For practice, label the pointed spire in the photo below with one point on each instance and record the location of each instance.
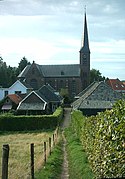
(85, 43)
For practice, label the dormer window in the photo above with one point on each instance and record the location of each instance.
(116, 86)
(62, 72)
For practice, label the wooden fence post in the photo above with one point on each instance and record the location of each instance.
(32, 160)
(49, 145)
(44, 152)
(5, 158)
(53, 140)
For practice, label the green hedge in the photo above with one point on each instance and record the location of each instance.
(103, 138)
(9, 122)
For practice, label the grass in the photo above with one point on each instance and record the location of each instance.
(78, 163)
(53, 167)
(19, 155)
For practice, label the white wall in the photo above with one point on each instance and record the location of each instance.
(17, 86)
(2, 90)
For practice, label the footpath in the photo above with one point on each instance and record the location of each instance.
(67, 118)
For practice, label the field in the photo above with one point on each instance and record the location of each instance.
(19, 155)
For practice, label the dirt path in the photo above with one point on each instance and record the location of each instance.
(67, 117)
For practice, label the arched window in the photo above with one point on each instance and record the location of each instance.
(61, 84)
(34, 83)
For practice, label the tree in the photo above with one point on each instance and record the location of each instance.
(65, 94)
(95, 75)
(23, 63)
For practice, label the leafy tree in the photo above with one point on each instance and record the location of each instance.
(95, 75)
(22, 64)
(65, 94)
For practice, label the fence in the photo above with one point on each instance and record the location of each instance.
(47, 149)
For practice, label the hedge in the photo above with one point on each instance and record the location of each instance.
(9, 122)
(103, 138)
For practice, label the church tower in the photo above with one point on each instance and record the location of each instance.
(85, 57)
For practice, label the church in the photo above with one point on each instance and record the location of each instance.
(73, 77)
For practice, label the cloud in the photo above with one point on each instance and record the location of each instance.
(51, 30)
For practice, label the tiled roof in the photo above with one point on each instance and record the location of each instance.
(47, 94)
(99, 95)
(15, 98)
(116, 84)
(24, 72)
(55, 70)
(60, 70)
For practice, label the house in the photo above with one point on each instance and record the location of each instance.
(95, 98)
(11, 101)
(73, 77)
(42, 101)
(116, 85)
(19, 87)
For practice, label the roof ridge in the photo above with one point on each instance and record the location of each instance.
(85, 96)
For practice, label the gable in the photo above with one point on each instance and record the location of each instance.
(32, 102)
(33, 98)
(17, 87)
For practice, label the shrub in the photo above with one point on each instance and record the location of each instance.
(103, 138)
(9, 122)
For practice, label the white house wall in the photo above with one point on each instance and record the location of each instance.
(17, 86)
(2, 92)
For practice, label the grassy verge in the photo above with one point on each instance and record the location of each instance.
(78, 163)
(53, 167)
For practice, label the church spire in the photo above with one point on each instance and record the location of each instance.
(85, 43)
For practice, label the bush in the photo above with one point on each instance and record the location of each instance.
(9, 122)
(103, 138)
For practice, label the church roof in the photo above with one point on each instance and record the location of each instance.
(68, 70)
(60, 70)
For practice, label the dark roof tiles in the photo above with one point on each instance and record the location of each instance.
(68, 70)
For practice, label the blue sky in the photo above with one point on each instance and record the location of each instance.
(50, 32)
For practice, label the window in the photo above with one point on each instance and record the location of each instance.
(73, 86)
(62, 72)
(17, 92)
(61, 84)
(34, 84)
(5, 93)
(33, 71)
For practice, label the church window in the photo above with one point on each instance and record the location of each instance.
(34, 83)
(33, 71)
(61, 84)
(73, 85)
(67, 83)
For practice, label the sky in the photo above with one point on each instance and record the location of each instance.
(50, 32)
